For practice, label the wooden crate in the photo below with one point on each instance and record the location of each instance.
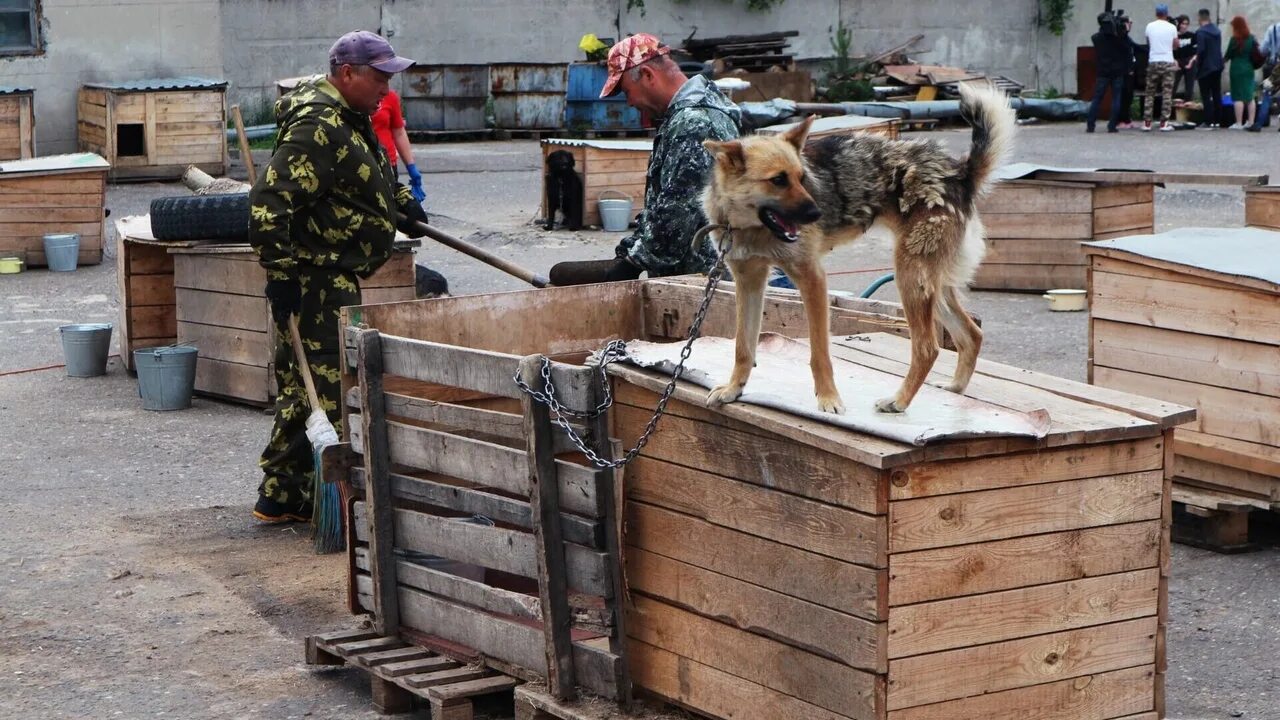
(52, 194)
(221, 309)
(1262, 206)
(789, 569)
(618, 165)
(17, 123)
(1035, 227)
(1190, 316)
(154, 129)
(148, 303)
(777, 567)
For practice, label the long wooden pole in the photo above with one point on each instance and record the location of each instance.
(246, 155)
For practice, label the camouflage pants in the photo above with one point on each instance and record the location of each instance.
(287, 464)
(1159, 81)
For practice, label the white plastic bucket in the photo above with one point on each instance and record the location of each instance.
(615, 213)
(1066, 300)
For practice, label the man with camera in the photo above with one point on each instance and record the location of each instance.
(1114, 59)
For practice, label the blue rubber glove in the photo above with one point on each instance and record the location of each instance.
(415, 182)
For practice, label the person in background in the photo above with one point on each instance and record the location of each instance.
(1207, 63)
(1182, 56)
(1113, 57)
(1162, 39)
(388, 125)
(1133, 75)
(1240, 69)
(1269, 85)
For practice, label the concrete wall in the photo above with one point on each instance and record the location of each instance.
(93, 40)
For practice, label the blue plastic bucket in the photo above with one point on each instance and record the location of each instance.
(166, 376)
(61, 251)
(85, 347)
(615, 213)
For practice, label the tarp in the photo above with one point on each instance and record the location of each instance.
(1024, 171)
(54, 163)
(1237, 252)
(781, 380)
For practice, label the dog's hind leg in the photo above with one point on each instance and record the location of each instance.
(749, 279)
(920, 304)
(966, 334)
(811, 280)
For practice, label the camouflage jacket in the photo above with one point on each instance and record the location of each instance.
(678, 169)
(329, 196)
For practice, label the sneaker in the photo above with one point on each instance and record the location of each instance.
(1166, 127)
(270, 511)
(1088, 128)
(1236, 126)
(1253, 128)
(1146, 127)
(1112, 130)
(1125, 126)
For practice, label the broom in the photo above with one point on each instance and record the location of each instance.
(326, 501)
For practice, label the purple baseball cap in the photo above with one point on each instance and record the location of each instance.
(361, 47)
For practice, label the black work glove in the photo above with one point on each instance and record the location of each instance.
(285, 297)
(622, 270)
(413, 214)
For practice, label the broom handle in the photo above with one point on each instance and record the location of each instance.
(296, 338)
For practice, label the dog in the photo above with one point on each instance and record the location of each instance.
(787, 204)
(564, 191)
(428, 283)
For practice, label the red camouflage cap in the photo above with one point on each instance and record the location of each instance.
(628, 53)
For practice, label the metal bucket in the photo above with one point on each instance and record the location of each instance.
(85, 346)
(615, 213)
(61, 251)
(166, 376)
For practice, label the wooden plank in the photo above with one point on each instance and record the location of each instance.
(1242, 484)
(227, 274)
(1124, 217)
(461, 690)
(229, 344)
(397, 271)
(151, 290)
(792, 571)
(153, 321)
(1029, 198)
(1034, 251)
(374, 296)
(839, 636)
(72, 215)
(1261, 209)
(1041, 466)
(11, 229)
(843, 534)
(960, 622)
(1130, 178)
(235, 381)
(244, 312)
(549, 548)
(149, 135)
(40, 199)
(75, 182)
(1239, 314)
(941, 573)
(1245, 366)
(1024, 662)
(1229, 452)
(469, 592)
(1088, 697)
(991, 276)
(425, 670)
(169, 128)
(1112, 195)
(827, 684)
(382, 526)
(1220, 411)
(765, 461)
(1039, 225)
(497, 548)
(1011, 512)
(714, 692)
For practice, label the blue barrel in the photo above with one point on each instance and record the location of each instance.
(586, 110)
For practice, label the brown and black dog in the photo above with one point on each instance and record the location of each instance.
(788, 204)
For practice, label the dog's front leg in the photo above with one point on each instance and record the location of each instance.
(749, 278)
(811, 280)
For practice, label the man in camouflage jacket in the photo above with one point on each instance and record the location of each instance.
(322, 216)
(690, 110)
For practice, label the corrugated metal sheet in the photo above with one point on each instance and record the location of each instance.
(528, 96)
(151, 84)
(646, 145)
(14, 90)
(445, 97)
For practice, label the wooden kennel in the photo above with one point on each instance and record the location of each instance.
(1262, 206)
(775, 566)
(154, 129)
(17, 123)
(619, 166)
(52, 194)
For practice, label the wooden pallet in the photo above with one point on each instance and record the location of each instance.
(400, 672)
(1217, 521)
(534, 703)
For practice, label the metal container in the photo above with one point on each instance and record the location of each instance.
(586, 110)
(529, 96)
(444, 97)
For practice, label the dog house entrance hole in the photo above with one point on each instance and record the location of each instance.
(131, 140)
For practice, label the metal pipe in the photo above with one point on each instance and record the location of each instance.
(253, 132)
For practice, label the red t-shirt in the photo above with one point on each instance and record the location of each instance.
(387, 118)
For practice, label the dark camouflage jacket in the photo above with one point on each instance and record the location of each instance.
(678, 170)
(329, 196)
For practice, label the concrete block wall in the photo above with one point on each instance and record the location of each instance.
(93, 41)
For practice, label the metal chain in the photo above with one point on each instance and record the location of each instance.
(617, 350)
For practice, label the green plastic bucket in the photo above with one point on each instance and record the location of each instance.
(61, 251)
(166, 376)
(85, 347)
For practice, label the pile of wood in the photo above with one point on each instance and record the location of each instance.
(736, 54)
(927, 82)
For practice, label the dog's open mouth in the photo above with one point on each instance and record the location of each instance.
(786, 230)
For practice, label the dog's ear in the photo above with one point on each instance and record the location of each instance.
(800, 133)
(728, 154)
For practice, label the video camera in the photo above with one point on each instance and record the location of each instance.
(1111, 22)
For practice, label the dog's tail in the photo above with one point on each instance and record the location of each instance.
(988, 111)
